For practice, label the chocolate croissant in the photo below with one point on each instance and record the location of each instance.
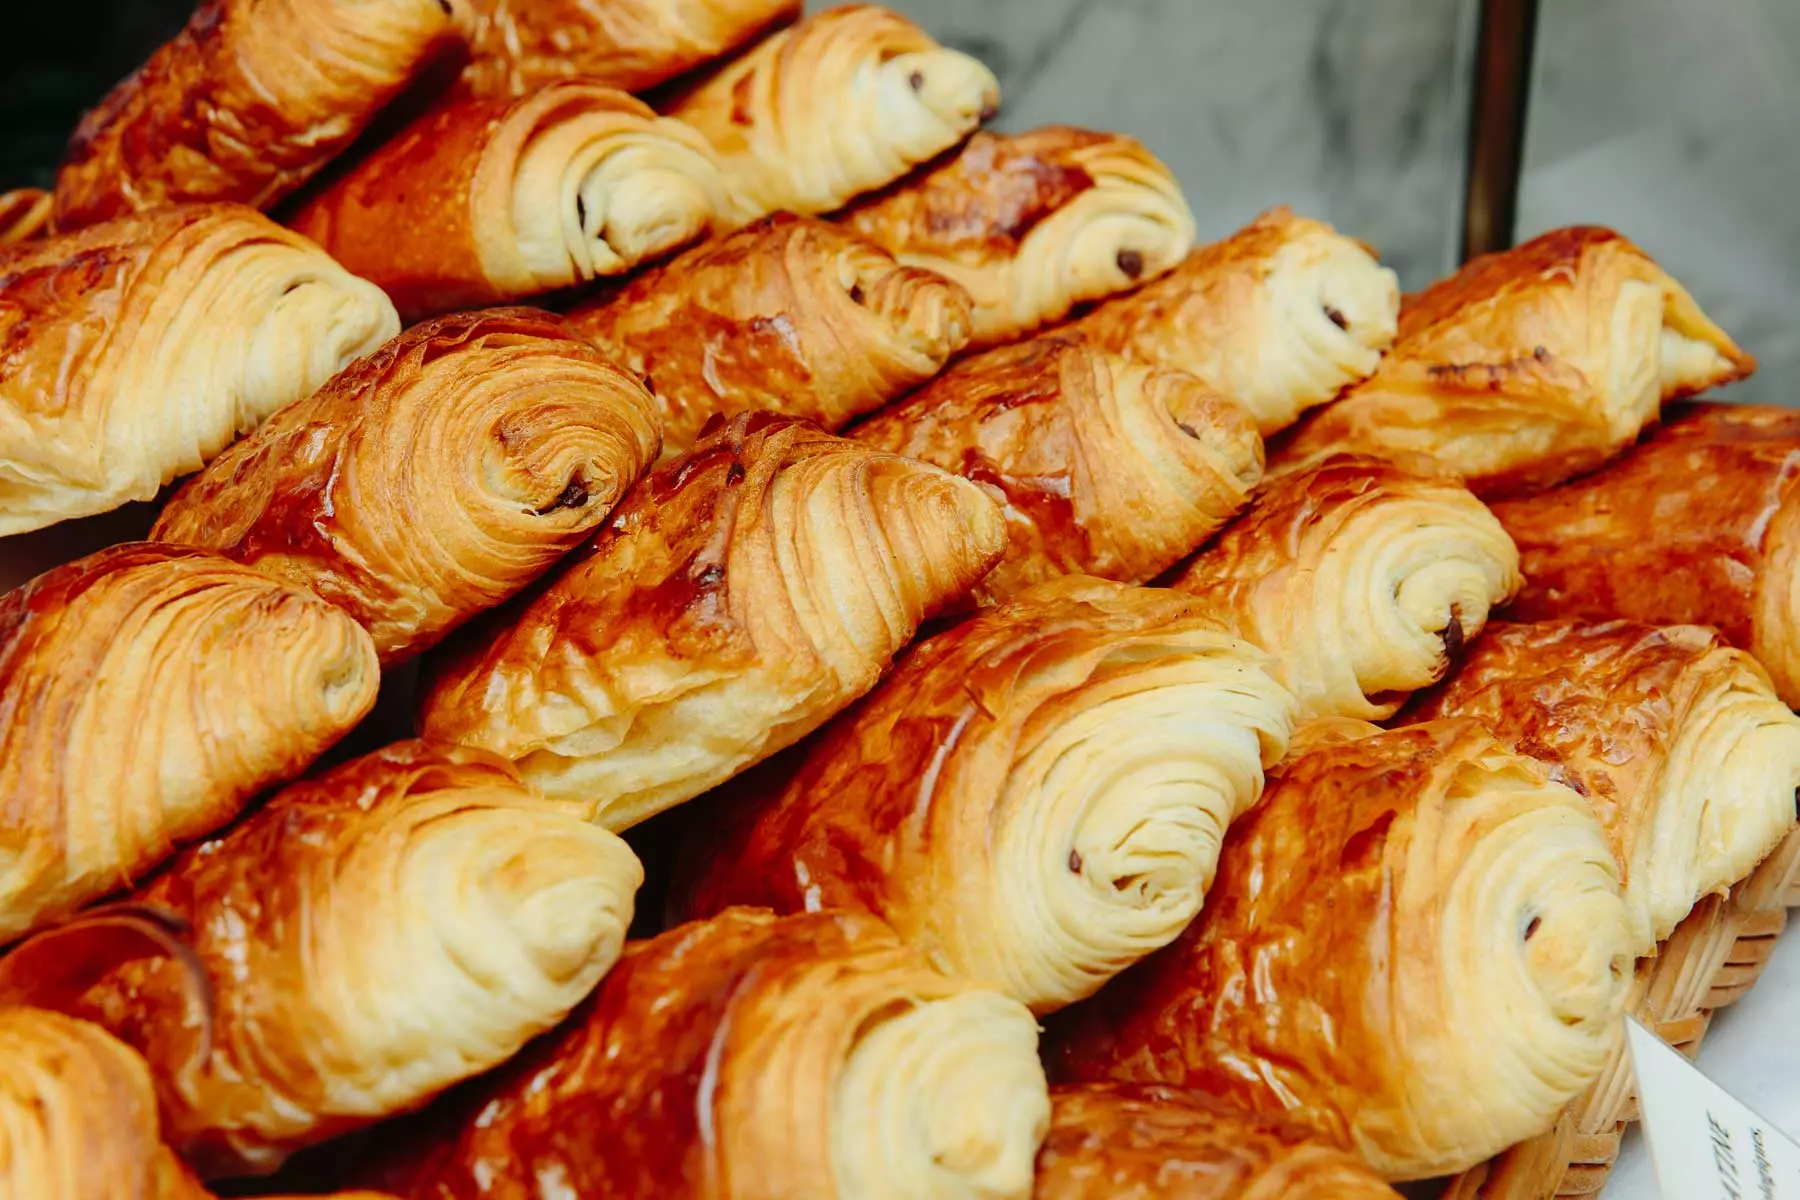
(519, 46)
(137, 349)
(739, 597)
(809, 1057)
(1148, 1142)
(370, 937)
(1415, 946)
(246, 103)
(1279, 316)
(788, 315)
(1033, 224)
(1104, 466)
(1363, 578)
(1079, 752)
(1698, 525)
(24, 214)
(1533, 365)
(1678, 742)
(431, 480)
(146, 693)
(842, 103)
(489, 201)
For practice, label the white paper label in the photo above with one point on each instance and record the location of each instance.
(1704, 1144)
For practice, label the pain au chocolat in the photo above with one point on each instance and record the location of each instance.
(1364, 579)
(1034, 224)
(846, 101)
(1034, 798)
(434, 478)
(1698, 525)
(1415, 946)
(368, 938)
(811, 1057)
(1104, 466)
(789, 315)
(1279, 316)
(129, 721)
(137, 349)
(491, 201)
(738, 598)
(246, 103)
(1532, 365)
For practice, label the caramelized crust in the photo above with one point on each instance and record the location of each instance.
(1033, 224)
(146, 693)
(1035, 797)
(739, 597)
(809, 1057)
(501, 433)
(519, 46)
(246, 103)
(1146, 1142)
(1279, 316)
(482, 202)
(1104, 466)
(1532, 365)
(790, 315)
(1698, 525)
(1677, 742)
(1415, 946)
(24, 214)
(368, 937)
(844, 102)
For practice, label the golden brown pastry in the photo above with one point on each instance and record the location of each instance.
(1119, 1141)
(1278, 316)
(433, 479)
(370, 936)
(1033, 224)
(24, 214)
(246, 103)
(1532, 365)
(844, 102)
(739, 598)
(809, 1057)
(1415, 946)
(488, 201)
(790, 315)
(1699, 525)
(146, 693)
(1034, 798)
(1677, 741)
(1363, 578)
(137, 349)
(519, 46)
(1104, 466)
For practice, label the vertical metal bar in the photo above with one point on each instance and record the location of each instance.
(1497, 111)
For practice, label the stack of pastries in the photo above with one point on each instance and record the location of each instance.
(675, 428)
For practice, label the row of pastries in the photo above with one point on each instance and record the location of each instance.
(985, 596)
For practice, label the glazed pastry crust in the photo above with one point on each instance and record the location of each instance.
(1104, 466)
(1415, 946)
(519, 46)
(502, 433)
(843, 103)
(24, 214)
(482, 202)
(789, 315)
(737, 599)
(246, 103)
(1698, 525)
(1532, 365)
(1279, 316)
(1148, 1142)
(1033, 224)
(129, 722)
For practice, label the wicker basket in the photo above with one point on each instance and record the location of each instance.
(1709, 962)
